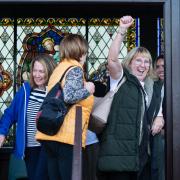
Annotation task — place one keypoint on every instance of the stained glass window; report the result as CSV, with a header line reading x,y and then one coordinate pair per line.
x,y
17,34
160,36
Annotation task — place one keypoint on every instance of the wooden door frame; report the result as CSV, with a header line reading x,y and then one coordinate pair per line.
x,y
172,56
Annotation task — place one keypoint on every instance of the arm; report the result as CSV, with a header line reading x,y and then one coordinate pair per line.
x,y
114,66
74,88
158,122
6,121
10,115
157,125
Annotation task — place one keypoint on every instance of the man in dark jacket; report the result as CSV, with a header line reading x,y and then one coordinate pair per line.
x,y
157,143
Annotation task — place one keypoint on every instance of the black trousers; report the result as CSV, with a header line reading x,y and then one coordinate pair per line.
x,y
144,175
117,176
89,163
59,160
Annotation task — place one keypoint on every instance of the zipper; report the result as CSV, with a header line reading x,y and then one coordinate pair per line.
x,y
24,118
142,116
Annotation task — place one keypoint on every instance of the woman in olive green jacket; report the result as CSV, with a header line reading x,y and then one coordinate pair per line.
x,y
125,140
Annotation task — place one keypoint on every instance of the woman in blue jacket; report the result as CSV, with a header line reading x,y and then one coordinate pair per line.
x,y
22,112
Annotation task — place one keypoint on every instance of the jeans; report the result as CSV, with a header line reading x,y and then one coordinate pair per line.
x,y
36,163
157,157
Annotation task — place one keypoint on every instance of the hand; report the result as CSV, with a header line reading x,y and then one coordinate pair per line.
x,y
125,22
90,87
157,125
2,139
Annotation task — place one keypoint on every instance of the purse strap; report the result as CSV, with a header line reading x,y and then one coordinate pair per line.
x,y
59,92
77,148
122,80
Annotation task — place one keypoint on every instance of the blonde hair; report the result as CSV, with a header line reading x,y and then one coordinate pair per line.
x,y
73,46
138,51
49,65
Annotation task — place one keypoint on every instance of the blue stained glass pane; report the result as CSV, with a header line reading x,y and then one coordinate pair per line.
x,y
137,32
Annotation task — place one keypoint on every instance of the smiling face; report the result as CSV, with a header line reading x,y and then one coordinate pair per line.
x,y
39,75
140,66
160,68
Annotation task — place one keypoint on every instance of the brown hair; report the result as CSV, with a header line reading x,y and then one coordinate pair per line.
x,y
73,46
49,65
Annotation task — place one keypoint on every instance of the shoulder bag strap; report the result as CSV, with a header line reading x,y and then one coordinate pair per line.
x,y
65,73
122,80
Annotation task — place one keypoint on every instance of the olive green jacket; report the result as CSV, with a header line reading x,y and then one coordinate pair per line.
x,y
121,139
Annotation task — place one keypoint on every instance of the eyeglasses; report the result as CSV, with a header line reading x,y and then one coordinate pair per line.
x,y
138,62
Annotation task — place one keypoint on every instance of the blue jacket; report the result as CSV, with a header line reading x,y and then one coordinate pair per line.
x,y
16,113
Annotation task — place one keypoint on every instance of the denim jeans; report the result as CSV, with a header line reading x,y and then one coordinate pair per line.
x,y
157,157
36,163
